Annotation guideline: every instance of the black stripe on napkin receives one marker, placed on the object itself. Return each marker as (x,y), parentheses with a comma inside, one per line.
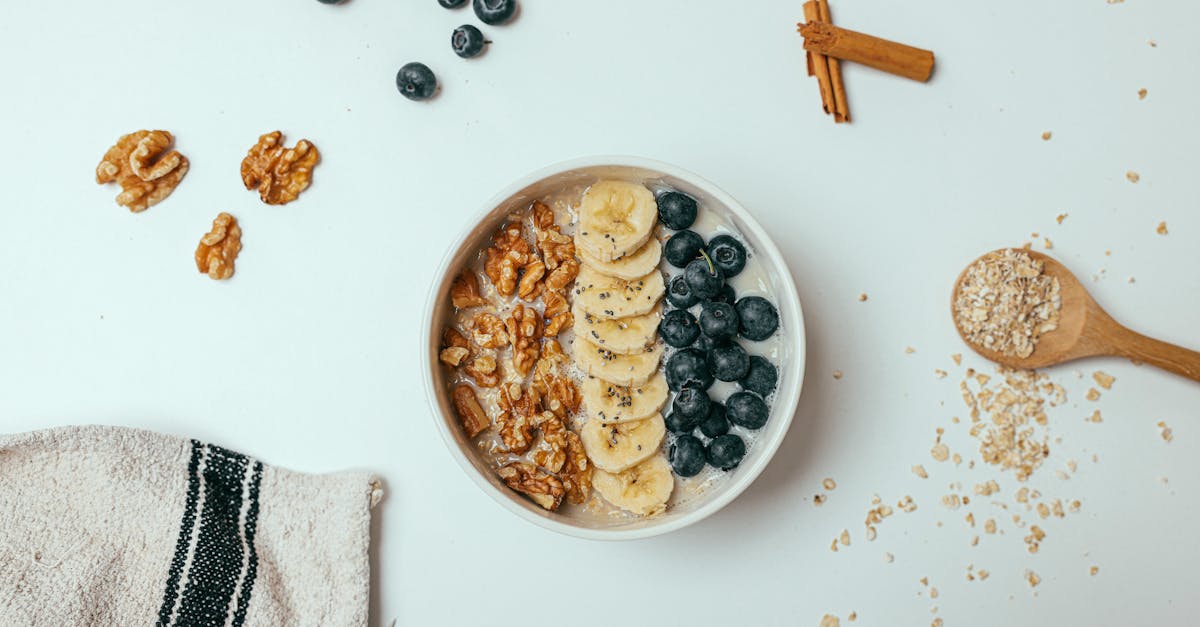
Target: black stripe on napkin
(185,537)
(251,527)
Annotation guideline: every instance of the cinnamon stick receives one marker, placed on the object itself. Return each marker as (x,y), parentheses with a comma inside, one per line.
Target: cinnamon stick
(820,63)
(841,110)
(892,57)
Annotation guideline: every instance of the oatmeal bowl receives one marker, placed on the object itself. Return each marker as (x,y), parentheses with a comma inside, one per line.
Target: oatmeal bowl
(614,348)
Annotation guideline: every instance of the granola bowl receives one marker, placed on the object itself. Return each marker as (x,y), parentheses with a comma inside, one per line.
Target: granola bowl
(480,426)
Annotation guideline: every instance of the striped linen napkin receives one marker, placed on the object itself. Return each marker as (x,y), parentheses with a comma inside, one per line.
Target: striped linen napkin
(116,526)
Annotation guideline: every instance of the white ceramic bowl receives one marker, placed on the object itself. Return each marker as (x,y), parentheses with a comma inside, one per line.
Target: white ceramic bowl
(583,171)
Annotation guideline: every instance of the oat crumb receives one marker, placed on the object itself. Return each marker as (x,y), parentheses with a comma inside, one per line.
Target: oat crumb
(852,616)
(828,483)
(908,350)
(862,298)
(1031,576)
(1093,570)
(933,593)
(919,471)
(1165,431)
(1095,417)
(1047,244)
(818,499)
(844,538)
(957,357)
(1060,217)
(939,373)
(1103,379)
(1142,94)
(837,374)
(1093,394)
(829,621)
(1162,228)
(940,452)
(1046,136)
(888,558)
(1133,176)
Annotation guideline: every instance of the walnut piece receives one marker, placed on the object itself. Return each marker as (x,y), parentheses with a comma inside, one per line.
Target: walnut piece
(530,286)
(219,247)
(454,356)
(484,371)
(278,173)
(551,452)
(464,291)
(559,393)
(525,333)
(469,411)
(488,330)
(576,474)
(138,164)
(545,489)
(507,255)
(520,409)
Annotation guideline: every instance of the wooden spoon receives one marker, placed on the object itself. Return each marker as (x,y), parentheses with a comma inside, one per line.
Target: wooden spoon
(1085,330)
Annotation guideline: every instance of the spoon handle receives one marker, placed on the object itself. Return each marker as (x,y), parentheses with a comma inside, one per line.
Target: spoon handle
(1169,357)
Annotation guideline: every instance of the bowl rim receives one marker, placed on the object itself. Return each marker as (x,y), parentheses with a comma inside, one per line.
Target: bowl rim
(747,473)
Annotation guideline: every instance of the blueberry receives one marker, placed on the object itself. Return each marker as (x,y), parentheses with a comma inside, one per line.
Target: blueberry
(682,247)
(448,4)
(692,402)
(729,362)
(726,295)
(679,293)
(719,321)
(758,318)
(746,409)
(728,254)
(761,377)
(467,41)
(704,278)
(706,344)
(714,423)
(676,210)
(679,328)
(687,456)
(493,12)
(726,451)
(416,81)
(681,424)
(688,367)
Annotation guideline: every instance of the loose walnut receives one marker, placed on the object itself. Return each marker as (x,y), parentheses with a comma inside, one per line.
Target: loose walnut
(219,247)
(551,452)
(483,370)
(530,286)
(488,330)
(464,291)
(525,333)
(576,474)
(473,418)
(507,255)
(545,489)
(146,175)
(278,173)
(520,409)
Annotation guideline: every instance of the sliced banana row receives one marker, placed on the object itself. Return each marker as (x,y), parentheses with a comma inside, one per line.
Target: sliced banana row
(616,311)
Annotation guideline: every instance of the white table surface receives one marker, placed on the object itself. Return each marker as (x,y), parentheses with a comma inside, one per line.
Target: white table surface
(308,358)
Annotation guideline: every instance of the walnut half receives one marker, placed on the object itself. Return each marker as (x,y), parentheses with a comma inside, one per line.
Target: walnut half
(544,488)
(219,247)
(473,418)
(140,164)
(278,173)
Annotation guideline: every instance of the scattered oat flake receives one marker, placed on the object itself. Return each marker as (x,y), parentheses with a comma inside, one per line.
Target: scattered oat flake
(1046,136)
(1133,176)
(933,593)
(829,621)
(1103,379)
(940,452)
(1142,94)
(1095,417)
(828,483)
(989,525)
(1031,576)
(1162,228)
(939,373)
(951,501)
(1060,217)
(1093,570)
(957,357)
(1152,43)
(1093,394)
(889,558)
(833,545)
(818,499)
(837,374)
(852,616)
(1167,436)
(919,471)
(957,459)
(844,538)
(862,298)
(937,622)
(909,350)
(983,574)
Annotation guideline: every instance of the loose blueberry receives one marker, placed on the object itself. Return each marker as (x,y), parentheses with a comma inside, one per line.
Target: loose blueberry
(679,293)
(688,367)
(728,254)
(416,81)
(681,424)
(746,409)
(682,247)
(726,295)
(761,378)
(758,318)
(679,328)
(493,12)
(719,321)
(687,456)
(704,278)
(448,4)
(467,41)
(676,210)
(729,362)
(692,402)
(714,422)
(726,451)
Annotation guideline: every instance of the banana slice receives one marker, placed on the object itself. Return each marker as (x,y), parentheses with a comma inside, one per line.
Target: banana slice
(643,489)
(609,403)
(623,336)
(615,219)
(634,265)
(619,446)
(609,297)
(629,370)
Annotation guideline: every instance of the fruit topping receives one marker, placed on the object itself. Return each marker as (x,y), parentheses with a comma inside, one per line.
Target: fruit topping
(679,328)
(676,210)
(726,451)
(728,254)
(761,378)
(687,456)
(757,317)
(746,409)
(682,247)
(728,362)
(719,321)
(688,367)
